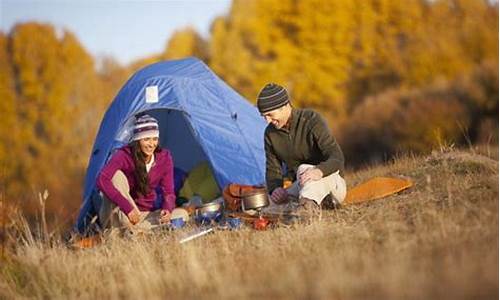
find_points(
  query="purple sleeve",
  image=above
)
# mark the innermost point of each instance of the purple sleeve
(117, 162)
(167, 184)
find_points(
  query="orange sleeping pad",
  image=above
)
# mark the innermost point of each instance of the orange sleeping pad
(376, 188)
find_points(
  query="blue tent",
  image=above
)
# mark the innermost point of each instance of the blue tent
(200, 117)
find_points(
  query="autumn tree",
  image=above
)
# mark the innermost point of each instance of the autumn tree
(9, 129)
(55, 98)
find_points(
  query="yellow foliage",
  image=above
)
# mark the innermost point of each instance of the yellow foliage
(55, 102)
(8, 126)
(331, 54)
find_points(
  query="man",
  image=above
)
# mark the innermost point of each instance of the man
(299, 146)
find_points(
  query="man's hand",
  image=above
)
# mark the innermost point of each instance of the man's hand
(279, 196)
(310, 174)
(134, 216)
(164, 216)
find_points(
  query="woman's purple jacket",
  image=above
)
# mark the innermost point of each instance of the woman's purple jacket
(161, 181)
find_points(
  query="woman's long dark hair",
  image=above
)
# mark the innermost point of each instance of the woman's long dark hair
(140, 174)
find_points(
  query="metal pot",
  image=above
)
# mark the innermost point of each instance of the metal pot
(208, 212)
(255, 199)
(209, 208)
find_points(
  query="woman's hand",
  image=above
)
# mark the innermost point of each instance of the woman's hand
(164, 216)
(134, 216)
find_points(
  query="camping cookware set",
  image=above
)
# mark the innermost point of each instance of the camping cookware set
(206, 215)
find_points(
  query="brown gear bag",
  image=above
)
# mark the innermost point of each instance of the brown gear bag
(233, 193)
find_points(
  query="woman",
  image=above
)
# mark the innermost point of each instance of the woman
(138, 181)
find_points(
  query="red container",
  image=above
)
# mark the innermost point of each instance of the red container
(260, 223)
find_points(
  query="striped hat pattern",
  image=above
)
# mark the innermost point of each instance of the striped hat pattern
(145, 127)
(271, 97)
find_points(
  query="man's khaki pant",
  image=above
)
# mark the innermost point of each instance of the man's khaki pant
(319, 189)
(111, 216)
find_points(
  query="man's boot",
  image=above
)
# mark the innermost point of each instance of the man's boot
(329, 202)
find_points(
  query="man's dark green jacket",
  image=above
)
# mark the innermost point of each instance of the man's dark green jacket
(307, 140)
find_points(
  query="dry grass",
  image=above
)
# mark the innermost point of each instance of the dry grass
(437, 240)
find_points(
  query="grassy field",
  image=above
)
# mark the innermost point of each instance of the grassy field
(437, 240)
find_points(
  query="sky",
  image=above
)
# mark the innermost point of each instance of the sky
(124, 29)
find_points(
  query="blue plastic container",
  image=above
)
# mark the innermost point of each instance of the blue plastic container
(177, 223)
(234, 223)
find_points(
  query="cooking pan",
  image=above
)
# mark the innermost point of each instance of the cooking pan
(256, 199)
(205, 213)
